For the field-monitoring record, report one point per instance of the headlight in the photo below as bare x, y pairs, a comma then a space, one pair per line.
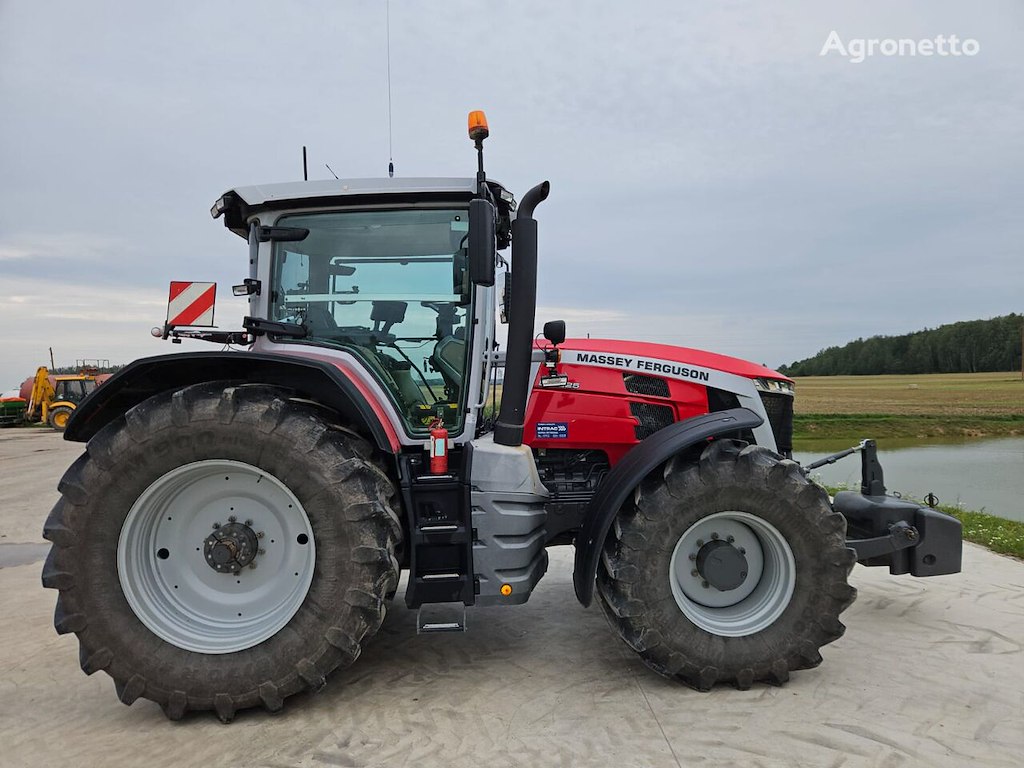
774, 385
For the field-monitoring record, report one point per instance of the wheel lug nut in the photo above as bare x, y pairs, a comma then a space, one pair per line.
263, 552
693, 555
730, 539
216, 526
232, 519
249, 523
743, 551
252, 565
695, 572
700, 542
714, 536
704, 584
260, 535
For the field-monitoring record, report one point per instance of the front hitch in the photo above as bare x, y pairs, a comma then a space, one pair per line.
887, 530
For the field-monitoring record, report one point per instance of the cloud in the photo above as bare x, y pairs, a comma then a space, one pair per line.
580, 314
715, 182
11, 252
86, 321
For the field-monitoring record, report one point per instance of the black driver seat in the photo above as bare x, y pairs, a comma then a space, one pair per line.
449, 359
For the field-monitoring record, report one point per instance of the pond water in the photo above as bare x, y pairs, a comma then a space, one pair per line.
985, 475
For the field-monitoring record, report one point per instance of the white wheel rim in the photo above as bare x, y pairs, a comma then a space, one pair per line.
763, 595
163, 566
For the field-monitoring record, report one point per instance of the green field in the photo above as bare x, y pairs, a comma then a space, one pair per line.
928, 405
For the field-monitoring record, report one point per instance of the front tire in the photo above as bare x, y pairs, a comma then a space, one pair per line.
58, 417
222, 548
730, 569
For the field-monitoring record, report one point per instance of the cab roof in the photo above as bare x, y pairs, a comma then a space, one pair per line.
240, 203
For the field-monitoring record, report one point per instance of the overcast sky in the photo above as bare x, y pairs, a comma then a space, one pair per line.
716, 182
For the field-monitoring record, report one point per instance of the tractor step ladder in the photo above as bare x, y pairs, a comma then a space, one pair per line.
441, 617
440, 551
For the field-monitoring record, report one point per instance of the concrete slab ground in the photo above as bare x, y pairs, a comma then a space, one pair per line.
929, 673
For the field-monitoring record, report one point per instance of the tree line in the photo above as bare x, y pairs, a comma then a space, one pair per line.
62, 370
971, 346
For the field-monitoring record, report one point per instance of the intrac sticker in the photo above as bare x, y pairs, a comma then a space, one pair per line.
552, 430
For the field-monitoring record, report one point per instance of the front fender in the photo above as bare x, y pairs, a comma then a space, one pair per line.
309, 379
634, 467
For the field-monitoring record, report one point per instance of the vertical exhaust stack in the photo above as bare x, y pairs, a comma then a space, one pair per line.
512, 416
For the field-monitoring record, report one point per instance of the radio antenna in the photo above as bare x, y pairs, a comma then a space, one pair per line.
391, 156
331, 170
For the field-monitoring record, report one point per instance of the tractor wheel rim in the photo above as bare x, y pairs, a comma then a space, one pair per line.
60, 420
767, 584
173, 585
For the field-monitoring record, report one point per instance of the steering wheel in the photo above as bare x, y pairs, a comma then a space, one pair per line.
438, 306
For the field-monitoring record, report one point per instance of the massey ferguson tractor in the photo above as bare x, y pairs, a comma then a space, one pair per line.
237, 524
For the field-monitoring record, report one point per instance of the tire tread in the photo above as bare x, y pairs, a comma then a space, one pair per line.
355, 471
634, 613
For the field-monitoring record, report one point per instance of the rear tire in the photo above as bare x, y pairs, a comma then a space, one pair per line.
794, 569
131, 528
58, 417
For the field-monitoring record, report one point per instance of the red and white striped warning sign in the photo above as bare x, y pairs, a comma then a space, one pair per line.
191, 303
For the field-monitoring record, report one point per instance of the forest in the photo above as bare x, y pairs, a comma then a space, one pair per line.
971, 346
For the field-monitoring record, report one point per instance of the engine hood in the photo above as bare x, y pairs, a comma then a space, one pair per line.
668, 352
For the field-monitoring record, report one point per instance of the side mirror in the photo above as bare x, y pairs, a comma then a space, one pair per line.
481, 242
554, 331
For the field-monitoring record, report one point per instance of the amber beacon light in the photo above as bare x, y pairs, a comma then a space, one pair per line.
478, 125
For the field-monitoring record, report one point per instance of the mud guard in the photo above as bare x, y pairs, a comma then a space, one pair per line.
634, 467
311, 379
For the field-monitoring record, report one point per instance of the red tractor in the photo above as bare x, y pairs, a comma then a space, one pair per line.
239, 520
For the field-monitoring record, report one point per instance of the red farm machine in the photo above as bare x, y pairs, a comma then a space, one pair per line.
238, 522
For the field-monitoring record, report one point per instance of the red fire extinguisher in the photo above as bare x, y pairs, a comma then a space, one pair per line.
438, 448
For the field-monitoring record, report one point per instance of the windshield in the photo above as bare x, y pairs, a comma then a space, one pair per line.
73, 390
391, 287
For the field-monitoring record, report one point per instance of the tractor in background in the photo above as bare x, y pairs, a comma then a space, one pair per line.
52, 398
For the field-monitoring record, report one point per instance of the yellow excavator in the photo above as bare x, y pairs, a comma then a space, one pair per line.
52, 399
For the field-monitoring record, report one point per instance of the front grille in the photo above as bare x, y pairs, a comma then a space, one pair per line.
638, 384
779, 408
651, 417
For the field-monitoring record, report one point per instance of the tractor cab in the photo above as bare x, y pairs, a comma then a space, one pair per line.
377, 275
73, 389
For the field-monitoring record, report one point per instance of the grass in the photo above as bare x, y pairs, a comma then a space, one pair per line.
930, 405
853, 426
998, 534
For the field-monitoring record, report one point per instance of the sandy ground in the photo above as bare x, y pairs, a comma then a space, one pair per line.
930, 673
